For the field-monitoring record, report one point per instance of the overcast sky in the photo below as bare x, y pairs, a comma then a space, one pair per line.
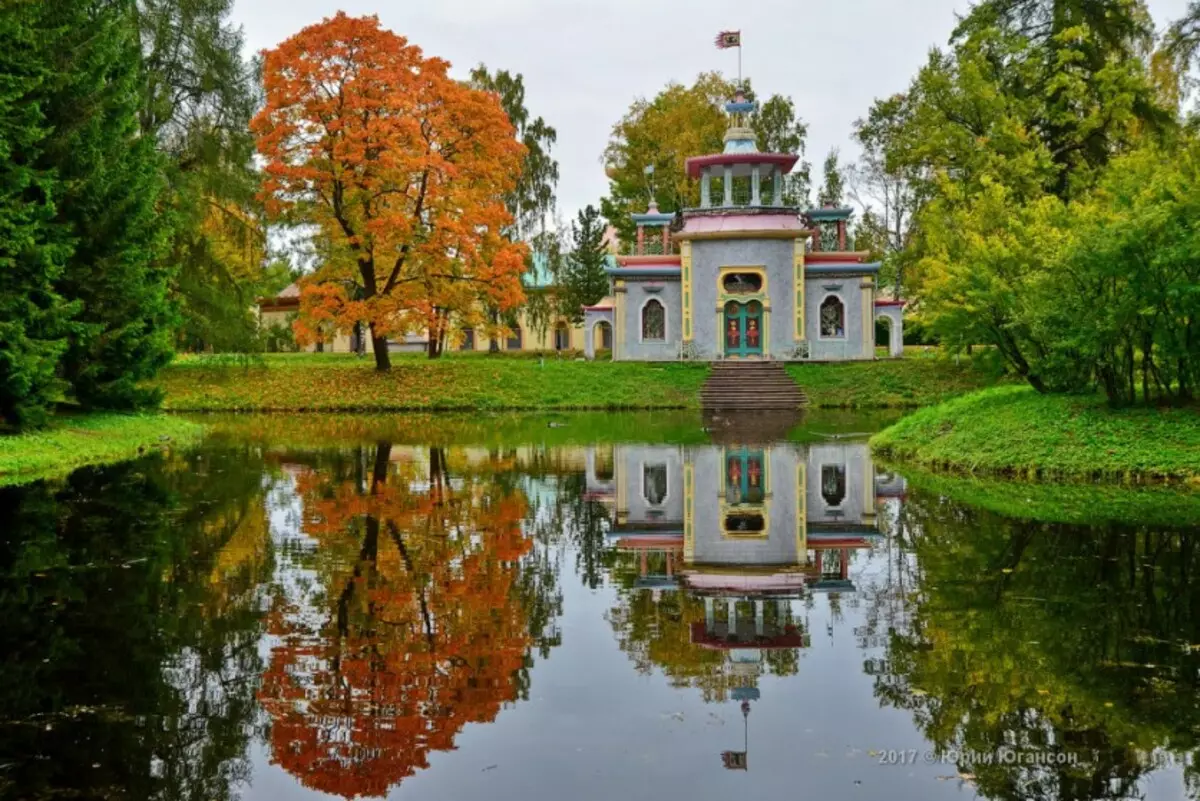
584, 61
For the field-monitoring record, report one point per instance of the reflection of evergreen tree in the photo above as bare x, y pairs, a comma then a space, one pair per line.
585, 522
127, 672
1051, 637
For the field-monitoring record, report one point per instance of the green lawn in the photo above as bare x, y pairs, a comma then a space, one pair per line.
1014, 431
922, 378
76, 440
320, 382
487, 382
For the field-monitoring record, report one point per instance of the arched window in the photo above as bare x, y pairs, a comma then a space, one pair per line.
654, 483
833, 317
833, 484
654, 321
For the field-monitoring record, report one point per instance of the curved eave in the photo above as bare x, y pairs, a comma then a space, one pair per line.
652, 219
784, 161
831, 268
839, 256
900, 303
668, 260
644, 272
829, 215
597, 308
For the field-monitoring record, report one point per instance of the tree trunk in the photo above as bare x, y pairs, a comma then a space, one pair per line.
383, 359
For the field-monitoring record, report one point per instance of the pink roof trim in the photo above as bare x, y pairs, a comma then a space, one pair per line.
704, 224
785, 161
597, 308
648, 262
891, 302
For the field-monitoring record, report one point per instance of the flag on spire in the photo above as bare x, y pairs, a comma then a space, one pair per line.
728, 39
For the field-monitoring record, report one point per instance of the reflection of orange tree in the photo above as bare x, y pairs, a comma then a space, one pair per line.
416, 631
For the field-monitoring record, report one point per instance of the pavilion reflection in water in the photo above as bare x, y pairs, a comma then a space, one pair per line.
748, 523
750, 530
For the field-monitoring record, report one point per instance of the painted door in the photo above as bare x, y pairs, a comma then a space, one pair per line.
745, 476
743, 328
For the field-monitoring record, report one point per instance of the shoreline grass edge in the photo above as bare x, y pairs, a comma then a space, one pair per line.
82, 440
1015, 432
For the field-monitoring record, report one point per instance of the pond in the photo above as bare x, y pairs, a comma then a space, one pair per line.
589, 607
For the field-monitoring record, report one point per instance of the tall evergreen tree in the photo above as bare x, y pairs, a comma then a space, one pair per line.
199, 97
584, 280
833, 190
111, 178
33, 246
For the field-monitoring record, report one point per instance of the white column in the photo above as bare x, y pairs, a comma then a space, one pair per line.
755, 191
759, 618
589, 341
898, 335
728, 185
732, 615
777, 184
710, 615
705, 188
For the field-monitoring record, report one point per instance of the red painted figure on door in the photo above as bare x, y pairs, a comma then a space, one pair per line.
733, 337
752, 333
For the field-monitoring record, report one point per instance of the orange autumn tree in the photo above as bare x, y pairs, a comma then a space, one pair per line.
415, 627
403, 169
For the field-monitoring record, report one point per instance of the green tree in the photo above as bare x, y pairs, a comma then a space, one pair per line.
584, 281
534, 195
111, 176
833, 188
780, 130
678, 123
33, 244
199, 97
888, 192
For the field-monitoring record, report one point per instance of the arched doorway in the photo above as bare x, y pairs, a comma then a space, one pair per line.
743, 328
883, 334
602, 336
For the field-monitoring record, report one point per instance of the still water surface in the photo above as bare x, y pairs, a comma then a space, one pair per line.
357, 607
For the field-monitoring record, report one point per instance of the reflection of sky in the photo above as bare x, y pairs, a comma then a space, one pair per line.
594, 728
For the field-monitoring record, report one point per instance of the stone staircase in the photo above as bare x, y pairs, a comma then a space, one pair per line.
746, 386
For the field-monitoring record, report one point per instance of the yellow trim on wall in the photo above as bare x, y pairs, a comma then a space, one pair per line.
763, 296
618, 319
689, 512
685, 263
798, 289
869, 491
801, 512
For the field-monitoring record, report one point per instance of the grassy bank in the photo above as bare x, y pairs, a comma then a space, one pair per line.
921, 378
480, 382
1014, 431
1074, 503
304, 382
86, 439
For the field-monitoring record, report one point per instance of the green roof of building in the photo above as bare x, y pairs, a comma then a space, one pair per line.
539, 275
